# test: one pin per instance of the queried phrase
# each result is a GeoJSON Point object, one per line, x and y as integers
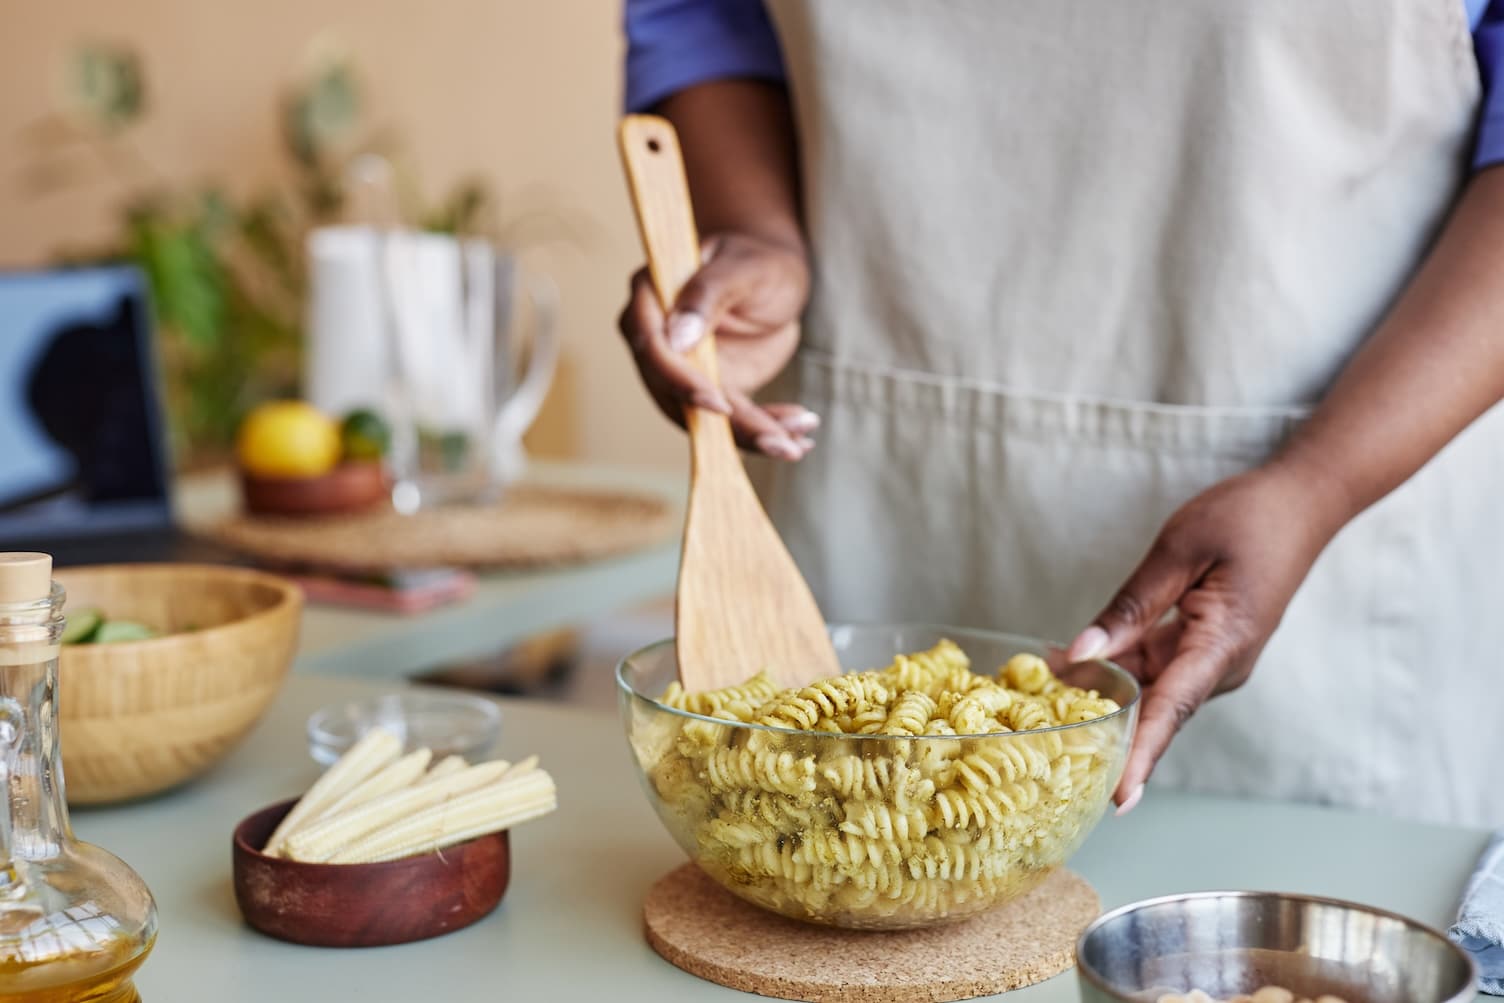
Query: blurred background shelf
{"type": "Point", "coordinates": [505, 610]}
{"type": "Point", "coordinates": [211, 179]}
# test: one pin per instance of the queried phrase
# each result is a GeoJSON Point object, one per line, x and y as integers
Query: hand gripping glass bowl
{"type": "Point", "coordinates": [870, 831]}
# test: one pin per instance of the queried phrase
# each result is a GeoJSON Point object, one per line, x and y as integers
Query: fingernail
{"type": "Point", "coordinates": [804, 421]}
{"type": "Point", "coordinates": [712, 402]}
{"type": "Point", "coordinates": [1132, 802]}
{"type": "Point", "coordinates": [685, 331]}
{"type": "Point", "coordinates": [1091, 643]}
{"type": "Point", "coordinates": [805, 443]}
{"type": "Point", "coordinates": [779, 445]}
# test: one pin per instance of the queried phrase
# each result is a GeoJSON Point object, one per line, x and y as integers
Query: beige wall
{"type": "Point", "coordinates": [523, 91]}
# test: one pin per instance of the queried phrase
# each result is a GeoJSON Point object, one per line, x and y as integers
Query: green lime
{"type": "Point", "coordinates": [82, 623]}
{"type": "Point", "coordinates": [365, 435]}
{"type": "Point", "coordinates": [112, 631]}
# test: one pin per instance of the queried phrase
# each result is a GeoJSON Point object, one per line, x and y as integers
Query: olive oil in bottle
{"type": "Point", "coordinates": [75, 921]}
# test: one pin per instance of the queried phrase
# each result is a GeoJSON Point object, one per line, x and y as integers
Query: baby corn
{"type": "Point", "coordinates": [526, 766]}
{"type": "Point", "coordinates": [445, 767]}
{"type": "Point", "coordinates": [394, 777]}
{"type": "Point", "coordinates": [376, 749]}
{"type": "Point", "coordinates": [489, 809]}
{"type": "Point", "coordinates": [319, 841]}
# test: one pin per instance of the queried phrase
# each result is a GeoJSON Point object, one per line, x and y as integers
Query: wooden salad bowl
{"type": "Point", "coordinates": [141, 717]}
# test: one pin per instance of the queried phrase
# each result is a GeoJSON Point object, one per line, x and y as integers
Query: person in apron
{"type": "Point", "coordinates": [1182, 295]}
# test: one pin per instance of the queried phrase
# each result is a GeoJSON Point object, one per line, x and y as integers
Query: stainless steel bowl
{"type": "Point", "coordinates": [1226, 943]}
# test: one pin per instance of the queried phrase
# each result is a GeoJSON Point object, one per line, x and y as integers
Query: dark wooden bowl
{"type": "Point", "coordinates": [365, 905]}
{"type": "Point", "coordinates": [348, 487]}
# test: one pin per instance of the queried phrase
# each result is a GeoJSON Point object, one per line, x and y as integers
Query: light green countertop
{"type": "Point", "coordinates": [569, 928]}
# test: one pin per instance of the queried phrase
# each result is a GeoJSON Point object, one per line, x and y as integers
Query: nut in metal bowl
{"type": "Point", "coordinates": [1227, 943]}
{"type": "Point", "coordinates": [877, 831]}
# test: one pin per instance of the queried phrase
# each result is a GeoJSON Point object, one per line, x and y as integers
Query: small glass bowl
{"type": "Point", "coordinates": [451, 724]}
{"type": "Point", "coordinates": [855, 830]}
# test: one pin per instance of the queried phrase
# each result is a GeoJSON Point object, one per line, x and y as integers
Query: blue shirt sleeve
{"type": "Point", "coordinates": [1488, 41]}
{"type": "Point", "coordinates": [674, 44]}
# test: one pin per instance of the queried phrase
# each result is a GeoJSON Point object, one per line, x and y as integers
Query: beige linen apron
{"type": "Point", "coordinates": [1078, 260]}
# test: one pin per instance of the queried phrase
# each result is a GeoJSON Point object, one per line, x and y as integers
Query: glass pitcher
{"type": "Point", "coordinates": [75, 921]}
{"type": "Point", "coordinates": [459, 393]}
{"type": "Point", "coordinates": [449, 339]}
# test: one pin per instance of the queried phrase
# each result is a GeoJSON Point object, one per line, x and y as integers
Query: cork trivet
{"type": "Point", "coordinates": [529, 527]}
{"type": "Point", "coordinates": [700, 927]}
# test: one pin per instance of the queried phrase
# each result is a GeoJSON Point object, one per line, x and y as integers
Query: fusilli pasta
{"type": "Point", "coordinates": [932, 794]}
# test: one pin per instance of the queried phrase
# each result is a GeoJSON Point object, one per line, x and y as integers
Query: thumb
{"type": "Point", "coordinates": [1187, 683]}
{"type": "Point", "coordinates": [1153, 589]}
{"type": "Point", "coordinates": [705, 298]}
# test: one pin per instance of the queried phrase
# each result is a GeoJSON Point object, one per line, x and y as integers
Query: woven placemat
{"type": "Point", "coordinates": [529, 527]}
{"type": "Point", "coordinates": [700, 927]}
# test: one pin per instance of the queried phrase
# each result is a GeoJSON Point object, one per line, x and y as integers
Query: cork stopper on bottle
{"type": "Point", "coordinates": [25, 577]}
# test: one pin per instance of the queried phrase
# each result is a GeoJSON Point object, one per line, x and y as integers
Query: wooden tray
{"type": "Point", "coordinates": [530, 527]}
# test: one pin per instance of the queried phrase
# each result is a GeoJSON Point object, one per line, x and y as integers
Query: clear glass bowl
{"type": "Point", "coordinates": [870, 831]}
{"type": "Point", "coordinates": [451, 724]}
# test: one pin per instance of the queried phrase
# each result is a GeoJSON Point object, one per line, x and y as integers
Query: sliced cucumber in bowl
{"type": "Point", "coordinates": [82, 625]}
{"type": "Point", "coordinates": [90, 626]}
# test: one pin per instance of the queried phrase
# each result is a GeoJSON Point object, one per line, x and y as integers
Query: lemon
{"type": "Point", "coordinates": [288, 439]}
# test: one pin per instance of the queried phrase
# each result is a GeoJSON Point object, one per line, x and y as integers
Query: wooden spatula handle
{"type": "Point", "coordinates": [660, 194]}
{"type": "Point", "coordinates": [741, 605]}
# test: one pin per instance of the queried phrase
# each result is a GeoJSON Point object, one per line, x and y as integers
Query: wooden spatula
{"type": "Point", "coordinates": [742, 606]}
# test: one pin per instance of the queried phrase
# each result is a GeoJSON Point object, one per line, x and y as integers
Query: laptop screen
{"type": "Point", "coordinates": [82, 447]}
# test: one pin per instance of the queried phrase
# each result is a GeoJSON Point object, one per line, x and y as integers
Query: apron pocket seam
{"type": "Point", "coordinates": [1248, 433]}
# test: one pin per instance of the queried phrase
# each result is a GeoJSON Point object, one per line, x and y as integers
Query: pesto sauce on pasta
{"type": "Point", "coordinates": [965, 804]}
